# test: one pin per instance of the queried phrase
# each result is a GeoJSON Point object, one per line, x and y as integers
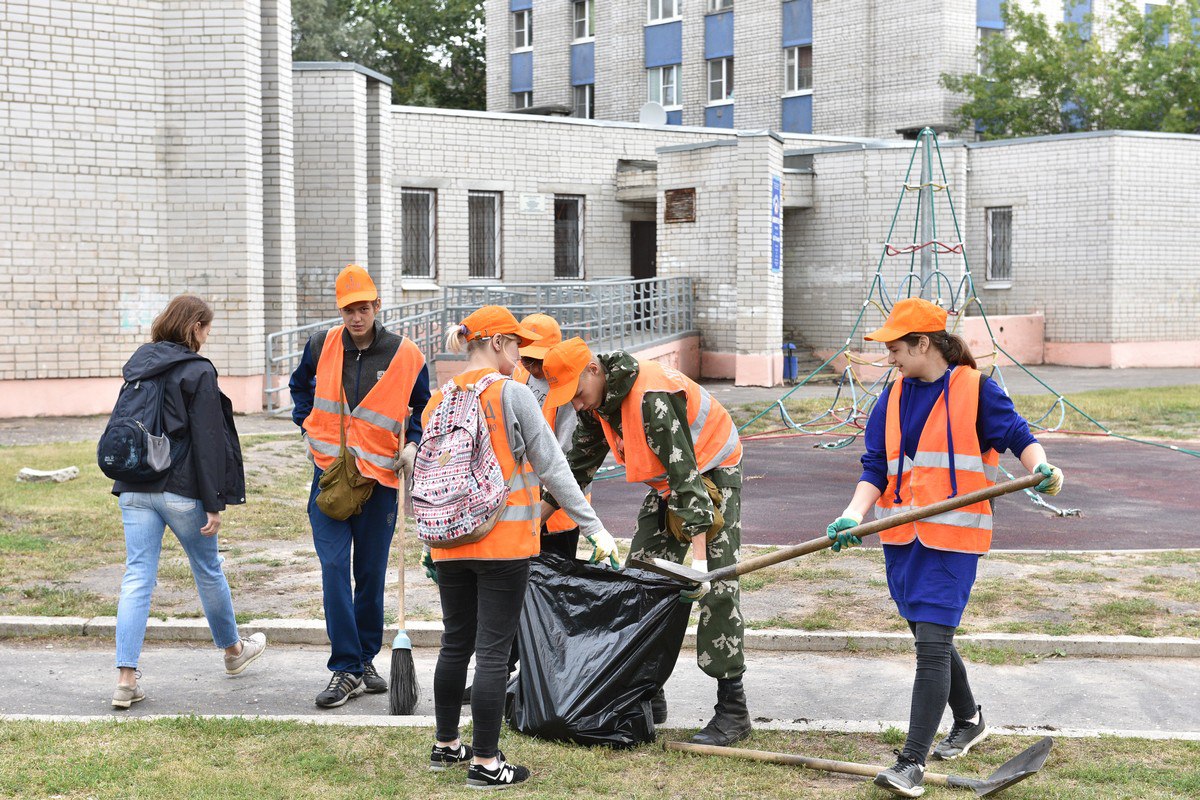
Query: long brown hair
{"type": "Point", "coordinates": [177, 322]}
{"type": "Point", "coordinates": [952, 346]}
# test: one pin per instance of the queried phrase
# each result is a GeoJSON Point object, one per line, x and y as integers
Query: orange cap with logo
{"type": "Point", "coordinates": [354, 285]}
{"type": "Point", "coordinates": [492, 320]}
{"type": "Point", "coordinates": [911, 315]}
{"type": "Point", "coordinates": [563, 365]}
{"type": "Point", "coordinates": [548, 334]}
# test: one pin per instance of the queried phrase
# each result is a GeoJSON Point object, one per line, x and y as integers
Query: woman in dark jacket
{"type": "Point", "coordinates": [204, 477]}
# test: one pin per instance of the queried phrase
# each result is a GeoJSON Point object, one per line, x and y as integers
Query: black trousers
{"type": "Point", "coordinates": [941, 678]}
{"type": "Point", "coordinates": [481, 605]}
{"type": "Point", "coordinates": [564, 544]}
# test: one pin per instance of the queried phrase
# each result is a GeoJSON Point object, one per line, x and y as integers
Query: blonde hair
{"type": "Point", "coordinates": [457, 341]}
{"type": "Point", "coordinates": [177, 322]}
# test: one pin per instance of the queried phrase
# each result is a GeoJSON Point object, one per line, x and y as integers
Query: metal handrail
{"type": "Point", "coordinates": [608, 314]}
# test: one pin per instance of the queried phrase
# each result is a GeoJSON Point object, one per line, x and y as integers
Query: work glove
{"type": "Point", "coordinates": [837, 530]}
{"type": "Point", "coordinates": [604, 546]}
{"type": "Point", "coordinates": [408, 458]}
{"type": "Point", "coordinates": [1054, 479]}
{"type": "Point", "coordinates": [692, 595]}
{"type": "Point", "coordinates": [427, 563]}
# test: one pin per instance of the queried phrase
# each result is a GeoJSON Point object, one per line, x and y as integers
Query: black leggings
{"type": "Point", "coordinates": [481, 605]}
{"type": "Point", "coordinates": [941, 678]}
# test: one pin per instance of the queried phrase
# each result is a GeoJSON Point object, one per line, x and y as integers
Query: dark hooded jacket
{"type": "Point", "coordinates": [207, 463]}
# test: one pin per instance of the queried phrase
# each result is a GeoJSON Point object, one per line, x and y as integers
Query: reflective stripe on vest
{"type": "Point", "coordinates": [925, 478]}
{"type": "Point", "coordinates": [515, 535]}
{"type": "Point", "coordinates": [374, 427]}
{"type": "Point", "coordinates": [714, 436]}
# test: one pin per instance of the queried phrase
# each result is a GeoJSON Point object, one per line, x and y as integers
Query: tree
{"type": "Point", "coordinates": [1130, 71]}
{"type": "Point", "coordinates": [433, 50]}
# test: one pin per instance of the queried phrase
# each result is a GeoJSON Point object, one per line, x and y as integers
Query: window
{"type": "Point", "coordinates": [522, 29]}
{"type": "Point", "coordinates": [999, 244]}
{"type": "Point", "coordinates": [985, 34]}
{"type": "Point", "coordinates": [585, 102]}
{"type": "Point", "coordinates": [582, 17]}
{"type": "Point", "coordinates": [568, 236]}
{"type": "Point", "coordinates": [522, 99]}
{"type": "Point", "coordinates": [418, 221]}
{"type": "Point", "coordinates": [797, 69]}
{"type": "Point", "coordinates": [662, 9]}
{"type": "Point", "coordinates": [662, 84]}
{"type": "Point", "coordinates": [483, 223]}
{"type": "Point", "coordinates": [720, 80]}
{"type": "Point", "coordinates": [719, 5]}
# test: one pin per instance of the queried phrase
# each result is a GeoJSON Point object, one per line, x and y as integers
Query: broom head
{"type": "Point", "coordinates": [402, 682]}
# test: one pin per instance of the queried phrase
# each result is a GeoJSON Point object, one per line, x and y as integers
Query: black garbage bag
{"type": "Point", "coordinates": [595, 645]}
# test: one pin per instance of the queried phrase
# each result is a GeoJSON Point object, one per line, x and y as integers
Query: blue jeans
{"type": "Point", "coordinates": [357, 547]}
{"type": "Point", "coordinates": [146, 516]}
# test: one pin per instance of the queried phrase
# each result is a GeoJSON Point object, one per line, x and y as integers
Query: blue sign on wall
{"type": "Point", "coordinates": [776, 223]}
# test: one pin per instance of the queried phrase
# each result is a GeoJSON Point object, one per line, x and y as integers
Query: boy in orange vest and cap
{"type": "Point", "coordinates": [671, 434]}
{"type": "Point", "coordinates": [934, 433]}
{"type": "Point", "coordinates": [376, 384]}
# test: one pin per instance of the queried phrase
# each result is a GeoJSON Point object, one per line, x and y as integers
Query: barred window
{"type": "Point", "coordinates": [418, 212]}
{"type": "Point", "coordinates": [568, 236]}
{"type": "Point", "coordinates": [483, 223]}
{"type": "Point", "coordinates": [999, 244]}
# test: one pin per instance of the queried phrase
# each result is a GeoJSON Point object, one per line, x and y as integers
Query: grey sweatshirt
{"type": "Point", "coordinates": [531, 438]}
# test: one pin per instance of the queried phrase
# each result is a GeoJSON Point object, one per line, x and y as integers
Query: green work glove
{"type": "Point", "coordinates": [1054, 479]}
{"type": "Point", "coordinates": [837, 530]}
{"type": "Point", "coordinates": [692, 595]}
{"type": "Point", "coordinates": [427, 563]}
{"type": "Point", "coordinates": [604, 546]}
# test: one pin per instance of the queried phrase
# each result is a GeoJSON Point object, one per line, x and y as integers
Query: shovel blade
{"type": "Point", "coordinates": [668, 569]}
{"type": "Point", "coordinates": [1011, 772]}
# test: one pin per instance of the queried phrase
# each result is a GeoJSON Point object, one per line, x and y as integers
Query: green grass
{"type": "Point", "coordinates": [1070, 576]}
{"type": "Point", "coordinates": [193, 758]}
{"type": "Point", "coordinates": [57, 601]}
{"type": "Point", "coordinates": [1132, 613]}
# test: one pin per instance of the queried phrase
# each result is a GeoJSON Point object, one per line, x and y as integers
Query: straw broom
{"type": "Point", "coordinates": [402, 680]}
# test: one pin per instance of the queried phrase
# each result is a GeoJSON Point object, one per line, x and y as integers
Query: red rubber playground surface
{"type": "Point", "coordinates": [1131, 496]}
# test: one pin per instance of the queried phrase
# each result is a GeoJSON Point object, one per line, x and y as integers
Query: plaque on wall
{"type": "Point", "coordinates": [680, 205]}
{"type": "Point", "coordinates": [532, 204]}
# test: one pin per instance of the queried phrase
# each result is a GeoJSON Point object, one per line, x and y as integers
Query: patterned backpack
{"type": "Point", "coordinates": [458, 490]}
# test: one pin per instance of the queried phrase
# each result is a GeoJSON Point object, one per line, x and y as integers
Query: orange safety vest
{"type": "Point", "coordinates": [375, 427]}
{"type": "Point", "coordinates": [926, 478]}
{"type": "Point", "coordinates": [714, 435]}
{"type": "Point", "coordinates": [560, 520]}
{"type": "Point", "coordinates": [515, 535]}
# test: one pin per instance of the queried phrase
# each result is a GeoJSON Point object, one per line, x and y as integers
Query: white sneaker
{"type": "Point", "coordinates": [252, 648]}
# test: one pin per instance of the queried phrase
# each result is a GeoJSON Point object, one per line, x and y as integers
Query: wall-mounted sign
{"type": "Point", "coordinates": [776, 224]}
{"type": "Point", "coordinates": [532, 204]}
{"type": "Point", "coordinates": [680, 205]}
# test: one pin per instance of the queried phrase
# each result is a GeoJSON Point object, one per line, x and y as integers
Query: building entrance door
{"type": "Point", "coordinates": [643, 263]}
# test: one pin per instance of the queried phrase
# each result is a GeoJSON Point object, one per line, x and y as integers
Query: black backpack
{"type": "Point", "coordinates": [133, 447]}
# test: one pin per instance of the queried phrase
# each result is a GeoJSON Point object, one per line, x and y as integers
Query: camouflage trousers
{"type": "Point", "coordinates": [719, 636]}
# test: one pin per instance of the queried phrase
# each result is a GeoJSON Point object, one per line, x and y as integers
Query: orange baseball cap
{"type": "Point", "coordinates": [354, 285]}
{"type": "Point", "coordinates": [563, 365]}
{"type": "Point", "coordinates": [912, 315]}
{"type": "Point", "coordinates": [548, 331]}
{"type": "Point", "coordinates": [492, 320]}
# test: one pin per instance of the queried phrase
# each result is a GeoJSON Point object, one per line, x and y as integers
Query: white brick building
{"type": "Point", "coordinates": [162, 146]}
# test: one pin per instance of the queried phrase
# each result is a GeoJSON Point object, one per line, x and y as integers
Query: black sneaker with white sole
{"type": "Point", "coordinates": [904, 778]}
{"type": "Point", "coordinates": [962, 737]}
{"type": "Point", "coordinates": [442, 758]}
{"type": "Point", "coordinates": [503, 776]}
{"type": "Point", "coordinates": [373, 682]}
{"type": "Point", "coordinates": [342, 686]}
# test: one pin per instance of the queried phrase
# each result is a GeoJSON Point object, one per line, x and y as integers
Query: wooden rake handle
{"type": "Point", "coordinates": [875, 526]}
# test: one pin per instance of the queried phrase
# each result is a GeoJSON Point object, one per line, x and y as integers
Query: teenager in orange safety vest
{"type": "Point", "coordinates": [560, 534]}
{"type": "Point", "coordinates": [934, 433]}
{"type": "Point", "coordinates": [674, 436]}
{"type": "Point", "coordinates": [379, 383]}
{"type": "Point", "coordinates": [482, 585]}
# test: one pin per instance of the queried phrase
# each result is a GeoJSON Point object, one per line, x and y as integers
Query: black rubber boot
{"type": "Point", "coordinates": [731, 723]}
{"type": "Point", "coordinates": [658, 704]}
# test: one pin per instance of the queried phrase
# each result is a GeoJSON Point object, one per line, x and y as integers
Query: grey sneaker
{"type": "Point", "coordinates": [962, 737]}
{"type": "Point", "coordinates": [252, 648]}
{"type": "Point", "coordinates": [125, 696]}
{"type": "Point", "coordinates": [904, 778]}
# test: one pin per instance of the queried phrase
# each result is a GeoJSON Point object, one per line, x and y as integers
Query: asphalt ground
{"type": "Point", "coordinates": [1130, 496]}
{"type": "Point", "coordinates": [75, 677]}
